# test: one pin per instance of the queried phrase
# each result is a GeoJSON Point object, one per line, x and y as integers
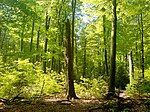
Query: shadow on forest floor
{"type": "Point", "coordinates": [80, 105]}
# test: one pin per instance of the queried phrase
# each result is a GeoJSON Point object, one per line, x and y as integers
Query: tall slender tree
{"type": "Point", "coordinates": [105, 50]}
{"type": "Point", "coordinates": [46, 42]}
{"type": "Point", "coordinates": [68, 57]}
{"type": "Point", "coordinates": [32, 34]}
{"type": "Point", "coordinates": [131, 67]}
{"type": "Point", "coordinates": [37, 44]}
{"type": "Point", "coordinates": [142, 45]}
{"type": "Point", "coordinates": [113, 50]}
{"type": "Point", "coordinates": [84, 58]}
{"type": "Point", "coordinates": [72, 34]}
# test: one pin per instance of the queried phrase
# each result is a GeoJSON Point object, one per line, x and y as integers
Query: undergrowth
{"type": "Point", "coordinates": [28, 80]}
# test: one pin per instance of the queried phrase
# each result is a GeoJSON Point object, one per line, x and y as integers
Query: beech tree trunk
{"type": "Point", "coordinates": [68, 59]}
{"type": "Point", "coordinates": [72, 34]}
{"type": "Point", "coordinates": [131, 67]}
{"type": "Point", "coordinates": [111, 91]}
{"type": "Point", "coordinates": [22, 37]}
{"type": "Point", "coordinates": [21, 44]}
{"type": "Point", "coordinates": [105, 51]}
{"type": "Point", "coordinates": [37, 44]}
{"type": "Point", "coordinates": [76, 57]}
{"type": "Point", "coordinates": [46, 42]}
{"type": "Point", "coordinates": [84, 59]}
{"type": "Point", "coordinates": [32, 34]}
{"type": "Point", "coordinates": [21, 40]}
{"type": "Point", "coordinates": [142, 46]}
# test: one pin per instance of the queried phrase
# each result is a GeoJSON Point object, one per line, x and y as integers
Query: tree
{"type": "Point", "coordinates": [68, 59]}
{"type": "Point", "coordinates": [37, 44]}
{"type": "Point", "coordinates": [131, 67]}
{"type": "Point", "coordinates": [113, 50]}
{"type": "Point", "coordinates": [84, 58]}
{"type": "Point", "coordinates": [46, 41]}
{"type": "Point", "coordinates": [105, 50]}
{"type": "Point", "coordinates": [142, 44]}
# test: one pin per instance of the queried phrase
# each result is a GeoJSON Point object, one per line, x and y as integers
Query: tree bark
{"type": "Point", "coordinates": [37, 44]}
{"type": "Point", "coordinates": [72, 35]}
{"type": "Point", "coordinates": [113, 50]}
{"type": "Point", "coordinates": [76, 55]}
{"type": "Point", "coordinates": [68, 57]}
{"type": "Point", "coordinates": [46, 42]}
{"type": "Point", "coordinates": [84, 59]}
{"type": "Point", "coordinates": [142, 46]}
{"type": "Point", "coordinates": [131, 67]}
{"type": "Point", "coordinates": [21, 43]}
{"type": "Point", "coordinates": [22, 36]}
{"type": "Point", "coordinates": [105, 51]}
{"type": "Point", "coordinates": [32, 34]}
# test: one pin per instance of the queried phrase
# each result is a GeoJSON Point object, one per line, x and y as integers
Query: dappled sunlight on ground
{"type": "Point", "coordinates": [78, 105]}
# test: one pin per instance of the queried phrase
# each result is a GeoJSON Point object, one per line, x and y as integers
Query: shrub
{"type": "Point", "coordinates": [122, 78]}
{"type": "Point", "coordinates": [23, 77]}
{"type": "Point", "coordinates": [91, 87]}
{"type": "Point", "coordinates": [138, 87]}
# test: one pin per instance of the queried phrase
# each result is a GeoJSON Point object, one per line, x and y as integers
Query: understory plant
{"type": "Point", "coordinates": [91, 88]}
{"type": "Point", "coordinates": [28, 80]}
{"type": "Point", "coordinates": [140, 86]}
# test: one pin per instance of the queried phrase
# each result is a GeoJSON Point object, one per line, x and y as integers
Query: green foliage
{"type": "Point", "coordinates": [49, 84]}
{"type": "Point", "coordinates": [138, 87]}
{"type": "Point", "coordinates": [26, 78]}
{"type": "Point", "coordinates": [91, 87]}
{"type": "Point", "coordinates": [122, 78]}
{"type": "Point", "coordinates": [24, 75]}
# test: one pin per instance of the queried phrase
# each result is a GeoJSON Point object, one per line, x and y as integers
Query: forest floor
{"type": "Point", "coordinates": [46, 104]}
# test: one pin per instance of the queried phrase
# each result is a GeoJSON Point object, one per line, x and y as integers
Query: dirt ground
{"type": "Point", "coordinates": [80, 105]}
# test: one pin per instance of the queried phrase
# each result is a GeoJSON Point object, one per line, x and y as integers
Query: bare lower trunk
{"type": "Point", "coordinates": [131, 67]}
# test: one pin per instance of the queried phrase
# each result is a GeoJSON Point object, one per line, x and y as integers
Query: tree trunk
{"type": "Point", "coordinates": [131, 67]}
{"type": "Point", "coordinates": [32, 34]}
{"type": "Point", "coordinates": [105, 51]}
{"type": "Point", "coordinates": [68, 57]}
{"type": "Point", "coordinates": [72, 35]}
{"type": "Point", "coordinates": [84, 59]}
{"type": "Point", "coordinates": [52, 61]}
{"type": "Point", "coordinates": [60, 64]}
{"type": "Point", "coordinates": [113, 50]}
{"type": "Point", "coordinates": [21, 40]}
{"type": "Point", "coordinates": [76, 55]}
{"type": "Point", "coordinates": [37, 44]}
{"type": "Point", "coordinates": [142, 46]}
{"type": "Point", "coordinates": [21, 44]}
{"type": "Point", "coordinates": [45, 59]}
{"type": "Point", "coordinates": [46, 42]}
